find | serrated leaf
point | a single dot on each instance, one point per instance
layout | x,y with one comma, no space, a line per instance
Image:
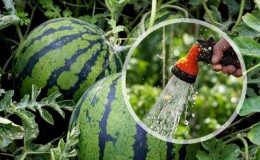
41,148
248,46
6,21
251,21
9,131
67,13
5,102
254,134
250,105
58,109
46,115
50,99
30,126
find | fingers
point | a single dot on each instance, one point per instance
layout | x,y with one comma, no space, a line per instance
238,73
219,49
230,69
216,67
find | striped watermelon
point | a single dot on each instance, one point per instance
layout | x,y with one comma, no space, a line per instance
66,55
108,131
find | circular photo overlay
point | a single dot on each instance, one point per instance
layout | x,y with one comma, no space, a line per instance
183,81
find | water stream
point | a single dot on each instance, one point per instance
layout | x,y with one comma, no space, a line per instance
165,114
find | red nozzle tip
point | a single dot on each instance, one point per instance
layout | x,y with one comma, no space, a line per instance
189,64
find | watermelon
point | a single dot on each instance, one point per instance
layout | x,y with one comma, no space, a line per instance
66,55
108,131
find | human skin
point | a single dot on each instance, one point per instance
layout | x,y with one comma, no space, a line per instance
218,51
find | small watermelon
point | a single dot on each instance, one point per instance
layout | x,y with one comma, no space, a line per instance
66,55
108,131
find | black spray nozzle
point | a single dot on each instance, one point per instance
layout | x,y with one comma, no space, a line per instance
186,68
229,56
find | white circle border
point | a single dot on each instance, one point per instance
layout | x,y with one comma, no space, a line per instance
127,60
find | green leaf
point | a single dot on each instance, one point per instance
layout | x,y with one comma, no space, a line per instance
230,152
67,13
9,131
254,134
218,150
233,7
30,126
248,46
244,30
251,21
250,105
257,153
194,2
46,115
6,21
66,150
5,102
201,155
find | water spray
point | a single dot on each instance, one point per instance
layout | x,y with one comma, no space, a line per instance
165,114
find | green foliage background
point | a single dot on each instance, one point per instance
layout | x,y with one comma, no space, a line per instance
124,21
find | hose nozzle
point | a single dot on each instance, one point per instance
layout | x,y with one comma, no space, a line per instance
187,68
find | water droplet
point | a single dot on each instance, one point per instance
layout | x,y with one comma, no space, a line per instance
193,114
186,122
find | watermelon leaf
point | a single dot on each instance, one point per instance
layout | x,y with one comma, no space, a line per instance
252,21
250,106
216,149
66,150
9,131
248,46
254,134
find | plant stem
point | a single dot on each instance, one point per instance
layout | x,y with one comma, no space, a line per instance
208,12
19,32
31,17
242,139
163,56
246,146
6,154
242,6
186,14
235,133
153,13
252,68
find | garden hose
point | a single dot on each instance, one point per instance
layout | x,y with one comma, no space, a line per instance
186,68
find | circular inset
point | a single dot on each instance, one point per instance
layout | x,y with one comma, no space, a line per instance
173,95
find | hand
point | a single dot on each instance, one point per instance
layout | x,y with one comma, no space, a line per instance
218,51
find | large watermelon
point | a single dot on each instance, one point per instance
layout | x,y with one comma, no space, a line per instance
108,131
66,55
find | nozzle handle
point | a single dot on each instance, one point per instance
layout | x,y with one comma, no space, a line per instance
206,53
230,58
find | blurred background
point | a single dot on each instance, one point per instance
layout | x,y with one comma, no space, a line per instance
215,97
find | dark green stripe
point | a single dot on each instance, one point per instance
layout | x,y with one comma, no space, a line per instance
140,145
103,135
57,44
46,33
86,69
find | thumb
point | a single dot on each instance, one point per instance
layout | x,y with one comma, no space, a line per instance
218,50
